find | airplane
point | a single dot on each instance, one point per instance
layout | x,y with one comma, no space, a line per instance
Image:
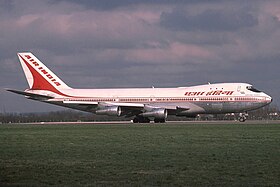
143,104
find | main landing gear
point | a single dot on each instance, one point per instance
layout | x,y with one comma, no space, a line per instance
141,119
242,117
159,120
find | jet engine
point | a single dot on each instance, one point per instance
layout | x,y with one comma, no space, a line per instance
110,111
158,113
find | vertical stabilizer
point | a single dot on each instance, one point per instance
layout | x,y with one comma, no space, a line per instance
38,76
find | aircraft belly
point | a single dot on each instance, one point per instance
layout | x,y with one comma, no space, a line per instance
179,108
228,107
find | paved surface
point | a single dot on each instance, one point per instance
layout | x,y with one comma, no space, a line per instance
248,122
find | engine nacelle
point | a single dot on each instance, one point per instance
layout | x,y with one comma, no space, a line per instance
110,111
159,113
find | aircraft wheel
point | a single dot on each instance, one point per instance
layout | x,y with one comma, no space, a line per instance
140,119
159,120
242,119
144,120
136,120
147,120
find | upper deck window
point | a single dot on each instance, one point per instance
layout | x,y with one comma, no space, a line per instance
251,88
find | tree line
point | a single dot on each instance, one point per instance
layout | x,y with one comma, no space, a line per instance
270,112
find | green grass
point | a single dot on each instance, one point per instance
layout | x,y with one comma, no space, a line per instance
140,155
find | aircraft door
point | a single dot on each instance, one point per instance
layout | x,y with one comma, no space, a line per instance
238,88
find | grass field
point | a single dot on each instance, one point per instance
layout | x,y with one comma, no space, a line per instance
140,155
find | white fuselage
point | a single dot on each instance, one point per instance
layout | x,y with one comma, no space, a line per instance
142,103
210,98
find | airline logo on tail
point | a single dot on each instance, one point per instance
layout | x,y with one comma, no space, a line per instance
45,72
39,77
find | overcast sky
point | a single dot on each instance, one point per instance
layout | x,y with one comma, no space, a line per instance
133,43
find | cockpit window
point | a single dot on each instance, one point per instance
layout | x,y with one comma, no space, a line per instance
251,88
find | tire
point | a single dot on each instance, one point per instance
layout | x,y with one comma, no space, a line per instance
159,120
139,119
135,120
242,119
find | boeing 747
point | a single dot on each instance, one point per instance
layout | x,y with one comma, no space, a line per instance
144,104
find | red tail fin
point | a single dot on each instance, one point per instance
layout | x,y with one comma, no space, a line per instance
38,76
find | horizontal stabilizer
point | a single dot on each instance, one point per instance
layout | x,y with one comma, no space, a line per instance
31,95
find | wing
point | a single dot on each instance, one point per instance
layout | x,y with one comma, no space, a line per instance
114,108
126,109
107,108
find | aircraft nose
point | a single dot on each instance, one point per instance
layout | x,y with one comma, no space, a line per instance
269,99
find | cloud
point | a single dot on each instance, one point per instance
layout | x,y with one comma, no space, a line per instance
208,20
175,53
141,43
106,5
